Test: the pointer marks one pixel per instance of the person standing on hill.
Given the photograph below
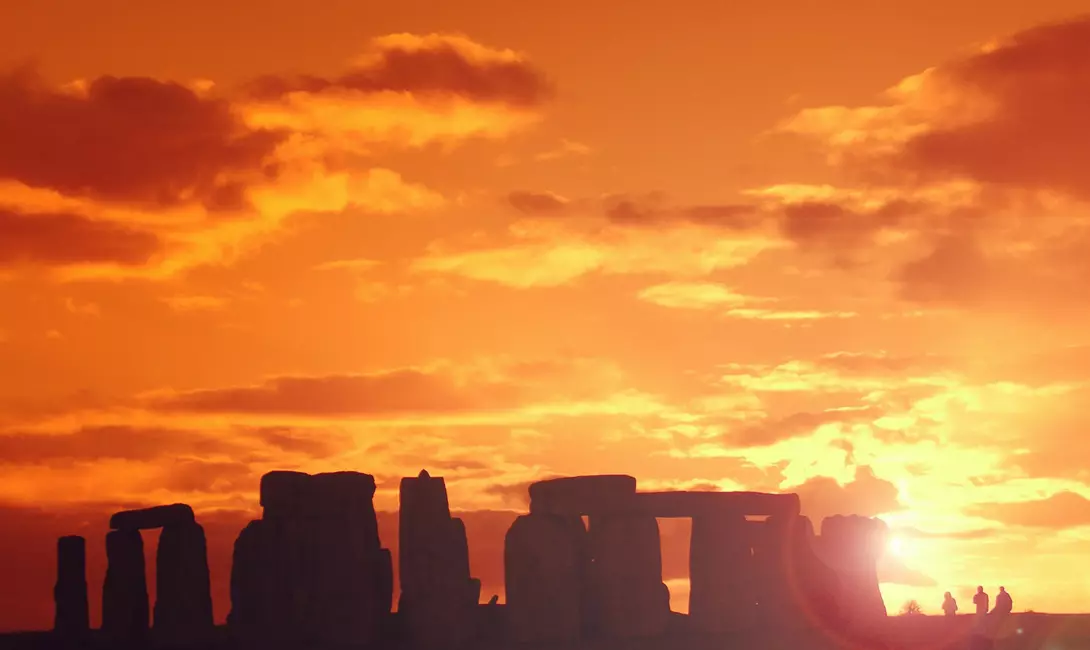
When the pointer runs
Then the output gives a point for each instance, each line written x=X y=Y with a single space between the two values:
x=981 y=601
x=949 y=605
x=1003 y=602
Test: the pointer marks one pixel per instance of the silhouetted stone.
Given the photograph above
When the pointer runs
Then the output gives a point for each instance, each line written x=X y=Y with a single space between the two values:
x=337 y=583
x=702 y=504
x=384 y=582
x=348 y=496
x=583 y=495
x=438 y=597
x=312 y=570
x=125 y=591
x=264 y=601
x=285 y=494
x=721 y=574
x=156 y=517
x=627 y=576
x=71 y=617
x=851 y=546
x=544 y=567
x=183 y=600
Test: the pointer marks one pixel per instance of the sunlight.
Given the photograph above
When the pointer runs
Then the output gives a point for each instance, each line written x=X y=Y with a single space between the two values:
x=897 y=546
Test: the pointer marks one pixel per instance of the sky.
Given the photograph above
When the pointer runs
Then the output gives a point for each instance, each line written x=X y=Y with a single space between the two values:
x=834 y=248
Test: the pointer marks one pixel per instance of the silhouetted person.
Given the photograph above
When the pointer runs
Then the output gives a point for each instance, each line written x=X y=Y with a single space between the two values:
x=949 y=605
x=1003 y=603
x=981 y=601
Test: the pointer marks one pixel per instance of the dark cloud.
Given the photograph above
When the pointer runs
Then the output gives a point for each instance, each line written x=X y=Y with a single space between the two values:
x=89 y=444
x=648 y=211
x=124 y=139
x=866 y=495
x=833 y=226
x=536 y=203
x=441 y=66
x=772 y=430
x=135 y=443
x=398 y=392
x=63 y=239
x=1061 y=510
x=1037 y=85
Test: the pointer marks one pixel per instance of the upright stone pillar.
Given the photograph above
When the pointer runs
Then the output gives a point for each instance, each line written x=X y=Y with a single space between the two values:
x=722 y=597
x=545 y=565
x=438 y=596
x=125 y=591
x=71 y=618
x=851 y=545
x=632 y=600
x=183 y=599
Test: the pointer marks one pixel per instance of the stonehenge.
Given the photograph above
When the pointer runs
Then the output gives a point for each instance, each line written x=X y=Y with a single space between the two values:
x=183 y=599
x=311 y=570
x=583 y=563
x=754 y=561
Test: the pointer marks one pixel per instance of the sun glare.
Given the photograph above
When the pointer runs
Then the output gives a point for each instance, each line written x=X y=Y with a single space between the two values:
x=897 y=546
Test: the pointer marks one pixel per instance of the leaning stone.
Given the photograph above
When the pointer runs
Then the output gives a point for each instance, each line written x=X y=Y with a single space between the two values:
x=70 y=592
x=183 y=600
x=156 y=517
x=125 y=591
x=583 y=495
x=543 y=576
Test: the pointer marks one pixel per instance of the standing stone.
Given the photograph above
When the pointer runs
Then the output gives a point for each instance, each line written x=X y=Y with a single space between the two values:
x=544 y=569
x=70 y=591
x=779 y=595
x=438 y=597
x=265 y=601
x=183 y=600
x=851 y=545
x=632 y=600
x=384 y=583
x=125 y=591
x=722 y=597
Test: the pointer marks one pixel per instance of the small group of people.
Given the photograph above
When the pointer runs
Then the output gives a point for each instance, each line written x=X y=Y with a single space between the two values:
x=1003 y=603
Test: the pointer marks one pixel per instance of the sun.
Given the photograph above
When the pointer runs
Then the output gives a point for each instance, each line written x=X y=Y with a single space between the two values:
x=897 y=546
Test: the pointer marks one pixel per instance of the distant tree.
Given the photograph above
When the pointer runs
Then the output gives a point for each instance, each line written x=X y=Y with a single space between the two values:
x=1029 y=611
x=911 y=608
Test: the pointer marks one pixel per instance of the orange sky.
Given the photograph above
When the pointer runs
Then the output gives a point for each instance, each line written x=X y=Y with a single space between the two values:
x=830 y=247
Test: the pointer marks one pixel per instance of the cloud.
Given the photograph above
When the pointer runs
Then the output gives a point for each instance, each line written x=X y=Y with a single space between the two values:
x=537 y=202
x=127 y=139
x=90 y=444
x=549 y=254
x=482 y=387
x=397 y=392
x=713 y=296
x=409 y=89
x=865 y=495
x=61 y=239
x=195 y=303
x=774 y=430
x=1061 y=510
